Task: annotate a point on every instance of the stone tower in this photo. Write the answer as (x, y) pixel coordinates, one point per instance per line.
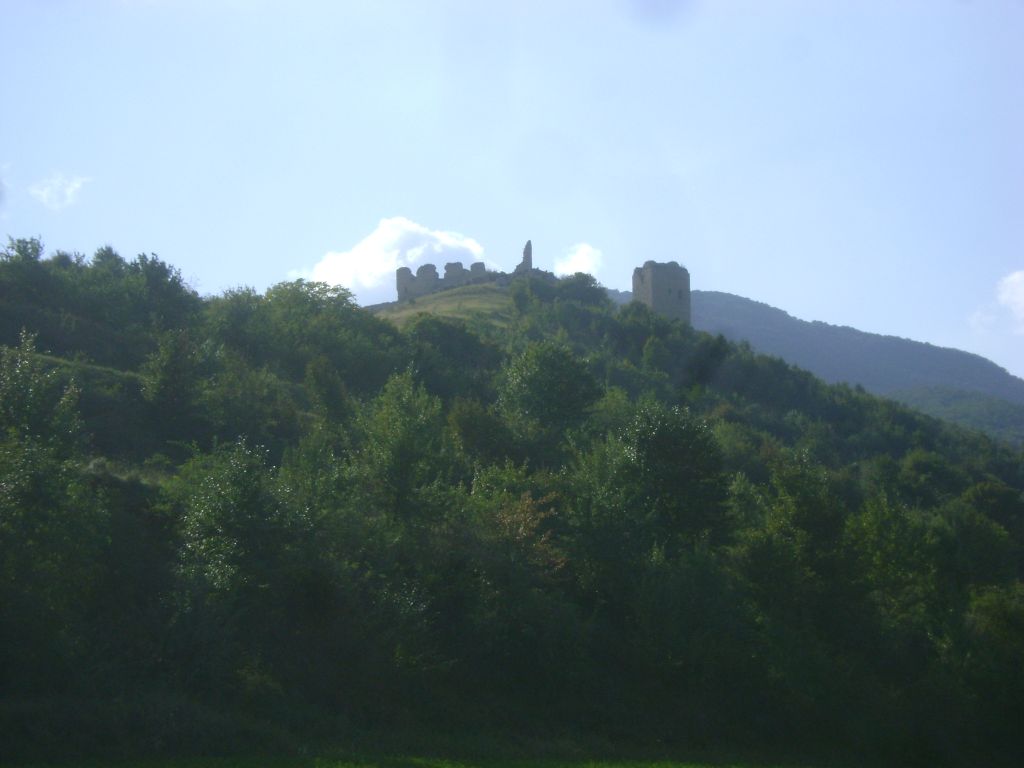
(665, 288)
(526, 265)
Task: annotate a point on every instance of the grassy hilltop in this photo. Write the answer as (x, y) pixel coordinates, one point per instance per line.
(475, 303)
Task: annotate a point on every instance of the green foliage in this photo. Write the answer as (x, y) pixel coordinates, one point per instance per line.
(450, 360)
(545, 391)
(672, 471)
(549, 517)
(241, 401)
(295, 323)
(52, 529)
(105, 309)
(994, 415)
(479, 432)
(32, 405)
(22, 250)
(231, 523)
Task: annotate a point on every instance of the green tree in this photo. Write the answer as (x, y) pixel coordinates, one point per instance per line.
(671, 471)
(240, 547)
(33, 403)
(52, 528)
(170, 384)
(402, 450)
(545, 391)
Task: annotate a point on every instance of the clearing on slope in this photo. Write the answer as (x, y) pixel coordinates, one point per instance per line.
(489, 303)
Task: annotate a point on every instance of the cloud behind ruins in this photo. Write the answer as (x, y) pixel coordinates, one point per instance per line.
(581, 257)
(368, 268)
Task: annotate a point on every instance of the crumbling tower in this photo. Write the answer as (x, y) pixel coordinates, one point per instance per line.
(665, 288)
(526, 265)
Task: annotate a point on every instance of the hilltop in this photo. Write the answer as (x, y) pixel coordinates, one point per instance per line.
(947, 383)
(488, 303)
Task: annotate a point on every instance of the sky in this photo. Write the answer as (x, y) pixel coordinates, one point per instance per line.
(858, 162)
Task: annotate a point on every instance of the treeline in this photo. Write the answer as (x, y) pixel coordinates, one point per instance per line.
(256, 518)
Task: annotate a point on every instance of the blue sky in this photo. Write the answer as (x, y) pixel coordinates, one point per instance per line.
(859, 162)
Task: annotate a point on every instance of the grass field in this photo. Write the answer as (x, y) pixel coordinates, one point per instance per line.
(489, 303)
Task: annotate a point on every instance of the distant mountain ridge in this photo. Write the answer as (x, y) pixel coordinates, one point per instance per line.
(881, 364)
(948, 383)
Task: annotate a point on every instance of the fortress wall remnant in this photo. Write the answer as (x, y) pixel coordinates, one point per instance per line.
(455, 274)
(664, 287)
(403, 282)
(409, 287)
(426, 280)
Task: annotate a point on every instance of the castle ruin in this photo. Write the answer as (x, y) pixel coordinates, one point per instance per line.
(427, 281)
(665, 288)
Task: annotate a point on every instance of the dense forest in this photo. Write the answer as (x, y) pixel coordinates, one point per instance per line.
(246, 520)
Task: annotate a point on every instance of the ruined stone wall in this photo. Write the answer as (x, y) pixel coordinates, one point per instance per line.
(665, 288)
(426, 280)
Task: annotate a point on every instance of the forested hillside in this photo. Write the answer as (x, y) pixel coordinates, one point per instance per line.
(253, 520)
(958, 386)
(881, 364)
(949, 383)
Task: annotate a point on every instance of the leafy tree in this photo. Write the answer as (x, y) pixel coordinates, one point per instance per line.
(401, 450)
(583, 288)
(33, 404)
(52, 529)
(25, 250)
(672, 472)
(480, 433)
(170, 383)
(240, 547)
(240, 401)
(545, 391)
(450, 360)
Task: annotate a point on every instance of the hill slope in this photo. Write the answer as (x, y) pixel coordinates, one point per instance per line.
(950, 384)
(279, 514)
(881, 364)
(947, 383)
(489, 302)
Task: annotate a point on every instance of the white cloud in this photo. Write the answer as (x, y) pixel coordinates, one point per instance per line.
(58, 191)
(580, 258)
(368, 267)
(1010, 293)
